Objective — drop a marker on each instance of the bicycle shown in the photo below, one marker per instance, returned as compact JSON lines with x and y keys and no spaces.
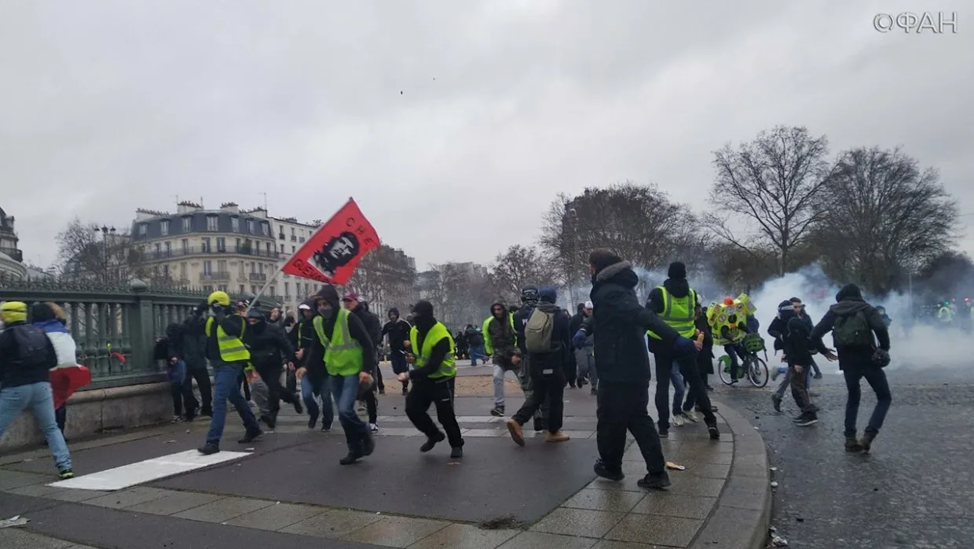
{"x":755,"y":368}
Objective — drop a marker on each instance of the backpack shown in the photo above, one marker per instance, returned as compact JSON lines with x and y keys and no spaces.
{"x":537,"y":331}
{"x":852,"y":331}
{"x":31,"y":345}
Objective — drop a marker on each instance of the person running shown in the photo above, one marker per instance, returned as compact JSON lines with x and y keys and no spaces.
{"x":432,"y":354}
{"x":500,"y":336}
{"x":355,"y":305}
{"x":229,"y":356}
{"x":779,"y":330}
{"x":348,"y":357}
{"x":799,"y":358}
{"x":51,"y":318}
{"x":853,"y":323}
{"x":26,"y":359}
{"x":269,"y":351}
{"x":548,"y":343}
{"x":618,"y":324}
{"x":194,"y":355}
{"x":529,"y":301}
{"x":396,"y":331}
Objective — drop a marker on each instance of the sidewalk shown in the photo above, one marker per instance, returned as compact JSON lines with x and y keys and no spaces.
{"x":290,"y":487}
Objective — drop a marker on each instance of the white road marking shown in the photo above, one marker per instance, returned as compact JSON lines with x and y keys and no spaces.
{"x":149,"y":470}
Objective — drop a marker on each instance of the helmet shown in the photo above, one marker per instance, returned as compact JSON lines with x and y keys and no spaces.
{"x":881,"y":358}
{"x":529,"y":294}
{"x":218,"y":298}
{"x":13,"y":311}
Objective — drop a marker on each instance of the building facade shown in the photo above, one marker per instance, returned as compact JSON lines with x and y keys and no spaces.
{"x":290,"y":235}
{"x":227,"y":249}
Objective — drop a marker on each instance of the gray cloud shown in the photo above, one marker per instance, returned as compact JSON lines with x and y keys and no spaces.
{"x":109,"y":106}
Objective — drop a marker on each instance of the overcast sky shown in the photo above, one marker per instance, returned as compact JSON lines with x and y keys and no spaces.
{"x":454,"y":124}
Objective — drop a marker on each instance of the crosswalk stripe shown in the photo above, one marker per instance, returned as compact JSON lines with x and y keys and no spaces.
{"x":149,"y":470}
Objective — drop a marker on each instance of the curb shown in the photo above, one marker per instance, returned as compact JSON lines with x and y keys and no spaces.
{"x":742,"y":514}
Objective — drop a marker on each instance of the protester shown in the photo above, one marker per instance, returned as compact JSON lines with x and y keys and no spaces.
{"x":853,"y":322}
{"x":432,"y":354}
{"x":51,"y":318}
{"x":396,"y":330}
{"x":618,"y":324}
{"x":796,"y":353}
{"x":475,"y":340}
{"x":194,"y":356}
{"x":26,"y":359}
{"x":181,"y":392}
{"x":354,"y":304}
{"x":229,"y":356}
{"x":500,"y":336}
{"x":269,"y":351}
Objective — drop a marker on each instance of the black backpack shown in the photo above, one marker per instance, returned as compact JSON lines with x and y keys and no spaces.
{"x":31,"y":345}
{"x":853,"y":330}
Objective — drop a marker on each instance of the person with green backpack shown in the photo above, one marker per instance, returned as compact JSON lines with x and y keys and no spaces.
{"x":854,"y":323}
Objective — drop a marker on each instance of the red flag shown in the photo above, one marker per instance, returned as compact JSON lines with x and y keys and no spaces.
{"x":333,"y":252}
{"x":65,"y":380}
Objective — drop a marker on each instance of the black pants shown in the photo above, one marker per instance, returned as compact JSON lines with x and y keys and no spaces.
{"x":202,"y":377}
{"x":371,"y":404}
{"x":799,"y":389}
{"x":622,"y":406}
{"x":271,"y":376}
{"x":548,"y":387}
{"x":292,"y":382}
{"x":426,"y":392}
{"x":61,"y":417}
{"x":378,"y":379}
{"x":399,"y":366}
{"x":244,"y":384}
{"x":696,"y":389}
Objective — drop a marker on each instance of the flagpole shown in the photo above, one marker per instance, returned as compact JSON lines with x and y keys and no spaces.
{"x":263,"y":289}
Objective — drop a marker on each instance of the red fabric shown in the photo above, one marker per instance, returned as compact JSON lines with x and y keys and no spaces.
{"x":334,"y":251}
{"x":65,"y":381}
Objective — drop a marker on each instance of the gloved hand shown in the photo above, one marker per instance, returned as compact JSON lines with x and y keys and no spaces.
{"x":579,"y":340}
{"x":684,"y":346}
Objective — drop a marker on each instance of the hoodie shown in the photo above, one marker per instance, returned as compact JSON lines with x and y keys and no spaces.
{"x":423,"y":322}
{"x":269,"y":345}
{"x":676,"y":287}
{"x":849,"y":301}
{"x":397,"y":331}
{"x":356,"y":330}
{"x":779,"y":326}
{"x":499,"y":334}
{"x":796,"y":343}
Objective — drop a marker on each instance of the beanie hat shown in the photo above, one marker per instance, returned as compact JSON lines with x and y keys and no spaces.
{"x":600,"y":259}
{"x":677,"y":271}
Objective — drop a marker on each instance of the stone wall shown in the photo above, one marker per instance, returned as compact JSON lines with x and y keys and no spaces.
{"x":96,"y":411}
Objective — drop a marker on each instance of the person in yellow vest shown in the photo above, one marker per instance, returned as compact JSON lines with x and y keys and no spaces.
{"x":500,"y":336}
{"x":945,"y":314}
{"x":349,"y":357}
{"x":228,"y":356}
{"x":675,"y":303}
{"x":432,"y":356}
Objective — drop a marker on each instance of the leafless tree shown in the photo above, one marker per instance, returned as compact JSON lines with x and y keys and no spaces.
{"x":87,"y":254}
{"x":386,"y":276}
{"x":520,"y":266}
{"x":460,"y":292}
{"x":888,"y":218}
{"x":776,"y":182}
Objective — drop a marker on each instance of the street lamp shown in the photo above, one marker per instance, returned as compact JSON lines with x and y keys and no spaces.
{"x":105,"y":231}
{"x":573,"y":213}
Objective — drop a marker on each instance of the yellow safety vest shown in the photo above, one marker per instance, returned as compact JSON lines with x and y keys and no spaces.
{"x":343,"y":355}
{"x":945,"y":314}
{"x":232,"y":348}
{"x":678,"y":313}
{"x":448,"y":367}
{"x":488,"y":344}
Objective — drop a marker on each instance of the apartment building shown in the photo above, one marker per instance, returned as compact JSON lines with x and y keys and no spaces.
{"x":290,"y":235}
{"x":227,"y":249}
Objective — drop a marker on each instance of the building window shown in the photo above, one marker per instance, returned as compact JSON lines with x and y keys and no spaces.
{"x":294,"y":249}
{"x":250,"y":226}
{"x":143,"y":229}
{"x":221,"y":266}
{"x":292,"y":231}
{"x":253,"y":289}
{"x":168,"y":249}
{"x":164,"y":227}
{"x":272,"y":292}
{"x":182,"y":270}
{"x":165,"y":271}
{"x":187,"y":224}
{"x":212,"y":223}
{"x":207,"y":267}
{"x":282,"y":248}
{"x":158,"y":251}
{"x":268,"y":249}
{"x":223,"y":287}
{"x":265,"y":229}
{"x":287,"y":290}
{"x":301,"y":239}
{"x":206,"y":248}
{"x":185,"y":246}
{"x":242,"y":290}
{"x":253,"y":267}
{"x":221,"y":244}
{"x":235,"y":224}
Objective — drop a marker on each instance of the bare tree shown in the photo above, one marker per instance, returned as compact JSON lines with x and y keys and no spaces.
{"x":87,"y":254}
{"x":888,"y":218}
{"x":386,"y":276}
{"x":520,"y":266}
{"x":776,"y":181}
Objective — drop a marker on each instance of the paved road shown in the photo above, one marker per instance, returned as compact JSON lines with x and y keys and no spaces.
{"x":914,"y":490}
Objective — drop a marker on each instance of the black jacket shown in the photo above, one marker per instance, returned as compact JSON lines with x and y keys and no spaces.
{"x":269,"y":346}
{"x":677,"y":287}
{"x":16,"y":371}
{"x":437,"y":355}
{"x":194,"y":341}
{"x":850,"y":301}
{"x":795,"y":343}
{"x":619,"y":324}
{"x":561,"y":343}
{"x":232,"y":324}
{"x":372,"y":325}
{"x":398,"y":332}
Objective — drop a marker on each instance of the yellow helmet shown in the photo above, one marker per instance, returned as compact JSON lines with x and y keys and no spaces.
{"x":13,"y":311}
{"x":220,"y":298}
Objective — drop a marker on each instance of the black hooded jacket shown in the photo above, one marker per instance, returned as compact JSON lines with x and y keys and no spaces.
{"x":678,"y":288}
{"x":269,"y":346}
{"x":795,"y":343}
{"x":850,"y":301}
{"x":356,"y":330}
{"x":619,"y":324}
{"x":779,"y":326}
{"x":397,"y":330}
{"x":371,"y":323}
{"x":34,"y":367}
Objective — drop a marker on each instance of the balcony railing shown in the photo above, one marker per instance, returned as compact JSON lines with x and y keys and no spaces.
{"x":163,"y":255}
{"x":258,"y":277}
{"x":14,"y":253}
{"x":215,"y":277}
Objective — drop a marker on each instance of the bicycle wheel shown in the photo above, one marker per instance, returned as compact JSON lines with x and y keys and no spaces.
{"x":723,"y":369}
{"x":757,"y":372}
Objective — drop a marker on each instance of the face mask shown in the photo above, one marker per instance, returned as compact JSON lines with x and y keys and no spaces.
{"x":326,"y":312}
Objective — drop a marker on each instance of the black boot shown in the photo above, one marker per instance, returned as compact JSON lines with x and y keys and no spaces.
{"x":604,"y":472}
{"x":368,"y":445}
{"x":250,"y":436}
{"x":658,"y":481}
{"x":209,"y":449}
{"x":351,"y":458}
{"x":431,"y":442}
{"x":456,"y":452}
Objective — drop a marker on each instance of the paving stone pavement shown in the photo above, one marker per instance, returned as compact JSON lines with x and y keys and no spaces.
{"x":721,"y":501}
{"x":913,"y":490}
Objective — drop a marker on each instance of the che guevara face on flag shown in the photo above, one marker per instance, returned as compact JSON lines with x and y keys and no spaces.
{"x":334,"y":251}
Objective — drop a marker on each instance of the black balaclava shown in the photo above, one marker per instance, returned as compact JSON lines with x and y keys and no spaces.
{"x":423,"y":315}
{"x":327,"y":302}
{"x":40,"y":312}
{"x":261,"y":321}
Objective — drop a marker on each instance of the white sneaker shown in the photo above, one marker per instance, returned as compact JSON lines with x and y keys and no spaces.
{"x":373,"y":427}
{"x":690,"y":415}
{"x":678,"y":421}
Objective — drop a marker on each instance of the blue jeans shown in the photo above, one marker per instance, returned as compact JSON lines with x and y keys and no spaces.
{"x":735,"y":351}
{"x":226,"y":387}
{"x":876,"y":378}
{"x":323,"y":388}
{"x":477,"y":352}
{"x":40,"y":400}
{"x":679,"y":389}
{"x":345,"y":391}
